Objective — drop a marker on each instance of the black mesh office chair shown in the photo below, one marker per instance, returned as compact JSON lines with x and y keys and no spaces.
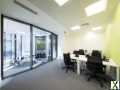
{"x":95,"y":69}
{"x":81,"y":52}
{"x":69,"y":65}
{"x":96,"y":53}
{"x":75,"y":52}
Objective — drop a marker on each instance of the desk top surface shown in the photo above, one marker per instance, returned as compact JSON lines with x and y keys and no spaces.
{"x":84,"y":58}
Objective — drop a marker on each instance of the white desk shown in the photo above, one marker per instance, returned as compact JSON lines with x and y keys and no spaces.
{"x":83,"y":58}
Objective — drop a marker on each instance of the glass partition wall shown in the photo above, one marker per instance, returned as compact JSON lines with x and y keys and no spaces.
{"x":16,"y":42}
{"x":25,"y":46}
{"x":41,"y":46}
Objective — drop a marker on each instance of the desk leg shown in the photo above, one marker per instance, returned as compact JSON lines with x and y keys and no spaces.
{"x":107,"y":69}
{"x":117,"y":73}
{"x":78,"y":67}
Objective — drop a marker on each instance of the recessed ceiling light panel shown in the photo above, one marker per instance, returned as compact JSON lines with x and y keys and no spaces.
{"x":96,"y":28}
{"x":96,"y":7}
{"x":61,"y":2}
{"x":74,"y":28}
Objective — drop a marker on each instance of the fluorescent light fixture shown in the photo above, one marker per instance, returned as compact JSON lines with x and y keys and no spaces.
{"x":96,"y":28}
{"x":90,"y":35}
{"x":96,"y":7}
{"x":61,"y":2}
{"x":76,"y":27}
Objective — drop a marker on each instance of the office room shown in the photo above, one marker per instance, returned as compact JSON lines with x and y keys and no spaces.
{"x":59,"y":44}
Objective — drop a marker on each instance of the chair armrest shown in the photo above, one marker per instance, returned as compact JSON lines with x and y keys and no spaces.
{"x":104,"y":68}
{"x":73,"y":60}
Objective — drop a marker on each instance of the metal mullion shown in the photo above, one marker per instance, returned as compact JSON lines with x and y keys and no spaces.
{"x":31,"y":46}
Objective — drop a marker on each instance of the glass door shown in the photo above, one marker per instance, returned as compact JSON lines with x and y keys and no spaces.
{"x":41,"y":46}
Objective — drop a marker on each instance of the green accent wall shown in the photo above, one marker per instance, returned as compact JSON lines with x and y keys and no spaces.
{"x":112,"y":40}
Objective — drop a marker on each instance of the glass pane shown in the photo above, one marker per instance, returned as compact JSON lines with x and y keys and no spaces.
{"x":16,"y":43}
{"x":8,"y":51}
{"x":41,"y":47}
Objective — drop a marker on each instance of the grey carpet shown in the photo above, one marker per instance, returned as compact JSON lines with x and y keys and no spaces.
{"x":49,"y":77}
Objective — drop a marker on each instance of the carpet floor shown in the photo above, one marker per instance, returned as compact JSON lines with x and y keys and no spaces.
{"x":50,"y":76}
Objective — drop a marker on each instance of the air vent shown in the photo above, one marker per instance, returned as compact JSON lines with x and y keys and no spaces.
{"x":85,"y":24}
{"x":25,"y":7}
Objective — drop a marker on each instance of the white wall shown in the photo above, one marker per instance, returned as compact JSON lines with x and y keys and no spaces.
{"x":60,"y":44}
{"x":88,"y":40}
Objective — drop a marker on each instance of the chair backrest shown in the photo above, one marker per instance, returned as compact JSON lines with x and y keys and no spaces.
{"x":96,"y":53}
{"x":76,"y":53}
{"x":37,"y":56}
{"x":81,"y":52}
{"x":94,"y":64}
{"x":67,"y":59}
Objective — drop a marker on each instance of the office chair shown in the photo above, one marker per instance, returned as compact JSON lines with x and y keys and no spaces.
{"x":68,"y":64}
{"x":81,"y":52}
{"x":95,"y":69}
{"x":37,"y":56}
{"x":96,"y":53}
{"x":76,"y":53}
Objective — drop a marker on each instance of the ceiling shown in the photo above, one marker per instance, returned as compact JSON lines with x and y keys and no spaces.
{"x":73,"y":13}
